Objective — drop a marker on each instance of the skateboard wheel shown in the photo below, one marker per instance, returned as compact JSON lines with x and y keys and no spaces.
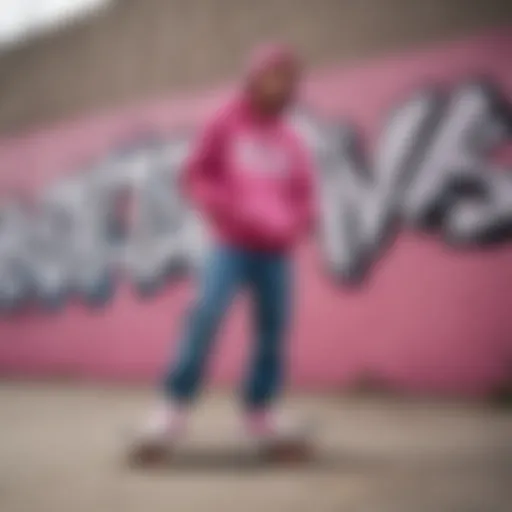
{"x":148,"y":454}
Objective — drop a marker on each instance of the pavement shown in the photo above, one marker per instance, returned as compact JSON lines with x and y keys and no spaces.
{"x":62,"y":449}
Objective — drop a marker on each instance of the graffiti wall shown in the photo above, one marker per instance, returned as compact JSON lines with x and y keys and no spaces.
{"x":405,"y":279}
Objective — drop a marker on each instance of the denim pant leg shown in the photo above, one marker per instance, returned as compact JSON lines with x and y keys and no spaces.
{"x":270,"y":285}
{"x":220,"y":280}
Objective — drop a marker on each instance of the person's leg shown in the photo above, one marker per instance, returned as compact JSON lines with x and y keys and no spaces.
{"x":277,"y":437}
{"x":220,"y":280}
{"x":270,"y":282}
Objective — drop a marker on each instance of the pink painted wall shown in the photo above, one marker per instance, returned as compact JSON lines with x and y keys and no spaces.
{"x":444,"y":329}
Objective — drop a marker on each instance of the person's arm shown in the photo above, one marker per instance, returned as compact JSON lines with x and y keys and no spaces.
{"x":202,"y":179}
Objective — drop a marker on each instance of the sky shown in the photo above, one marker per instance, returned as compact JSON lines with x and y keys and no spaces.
{"x":20,"y":19}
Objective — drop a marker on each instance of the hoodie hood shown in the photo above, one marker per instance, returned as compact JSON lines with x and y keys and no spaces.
{"x":263,"y":58}
{"x":267,"y":56}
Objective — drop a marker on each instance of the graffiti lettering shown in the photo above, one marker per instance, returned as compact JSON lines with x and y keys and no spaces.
{"x":432,"y":169}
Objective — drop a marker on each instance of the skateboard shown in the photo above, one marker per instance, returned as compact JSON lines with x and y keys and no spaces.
{"x":290,"y":448}
{"x":158,"y":453}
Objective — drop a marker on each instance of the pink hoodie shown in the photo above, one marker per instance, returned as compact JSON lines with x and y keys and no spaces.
{"x":249,"y":175}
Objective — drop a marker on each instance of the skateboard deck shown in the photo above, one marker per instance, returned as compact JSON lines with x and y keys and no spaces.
{"x":246,"y":452}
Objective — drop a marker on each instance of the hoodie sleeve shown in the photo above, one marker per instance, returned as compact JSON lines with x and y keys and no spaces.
{"x":203,"y":181}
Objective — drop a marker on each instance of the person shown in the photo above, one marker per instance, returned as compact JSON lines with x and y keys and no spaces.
{"x":250,"y":176}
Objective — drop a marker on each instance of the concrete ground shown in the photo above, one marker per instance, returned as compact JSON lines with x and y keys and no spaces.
{"x":61,"y":450}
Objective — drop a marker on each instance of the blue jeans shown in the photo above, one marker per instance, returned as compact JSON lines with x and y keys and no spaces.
{"x":267,"y":277}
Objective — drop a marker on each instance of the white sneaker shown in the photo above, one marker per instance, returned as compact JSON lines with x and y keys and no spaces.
{"x":279,"y":438}
{"x":157,"y":438}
